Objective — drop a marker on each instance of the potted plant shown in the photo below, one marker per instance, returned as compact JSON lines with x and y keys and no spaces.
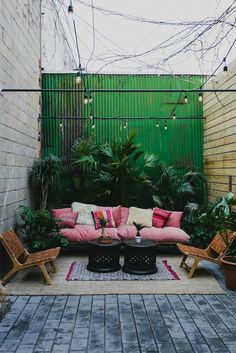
{"x":223,"y":216}
{"x":104,"y":238}
{"x":138,"y":227}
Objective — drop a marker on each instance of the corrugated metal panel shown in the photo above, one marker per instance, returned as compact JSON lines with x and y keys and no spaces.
{"x":180,"y":145}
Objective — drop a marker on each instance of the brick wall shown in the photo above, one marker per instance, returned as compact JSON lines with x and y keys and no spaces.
{"x":19,"y":67}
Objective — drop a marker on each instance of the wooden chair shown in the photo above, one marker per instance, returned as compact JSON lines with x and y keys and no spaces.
{"x":21,"y":259}
{"x":215,"y":250}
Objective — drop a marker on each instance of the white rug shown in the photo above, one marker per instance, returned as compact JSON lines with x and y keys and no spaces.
{"x":30,"y":282}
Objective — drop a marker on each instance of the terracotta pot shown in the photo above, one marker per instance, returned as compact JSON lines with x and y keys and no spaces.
{"x":229,"y":269}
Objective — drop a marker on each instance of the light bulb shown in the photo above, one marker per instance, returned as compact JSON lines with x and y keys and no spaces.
{"x":90,"y":99}
{"x":86,"y":100}
{"x":91,"y":117}
{"x":60,"y":124}
{"x":185,"y":99}
{"x":93,"y":125}
{"x":125,"y":124}
{"x":165,"y":127}
{"x":200,"y":97}
{"x":157,"y":124}
{"x":225,"y":70}
{"x":78,"y":78}
{"x":174,"y":116}
{"x":70,"y":9}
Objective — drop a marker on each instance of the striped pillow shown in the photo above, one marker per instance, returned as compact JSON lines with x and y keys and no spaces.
{"x":103,"y":214}
{"x":160,"y":217}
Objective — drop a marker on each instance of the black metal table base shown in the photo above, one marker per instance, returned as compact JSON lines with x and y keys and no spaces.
{"x":104,"y":257}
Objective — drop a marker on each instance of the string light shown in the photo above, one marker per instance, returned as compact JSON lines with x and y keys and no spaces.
{"x":78,"y":78}
{"x":93,"y":125}
{"x":174,"y":116}
{"x":125,"y":124}
{"x":91,"y":117}
{"x":165,"y":127}
{"x":225,"y":68}
{"x":70,"y":8}
{"x":157,"y":124}
{"x":200,"y":97}
{"x":90,"y":99}
{"x":185,"y":99}
{"x":60,"y":124}
{"x":86,"y":100}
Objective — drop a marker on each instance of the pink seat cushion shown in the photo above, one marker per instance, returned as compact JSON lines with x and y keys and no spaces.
{"x":162,"y":235}
{"x":174,"y":219}
{"x":84,"y":233}
{"x":124,"y":215}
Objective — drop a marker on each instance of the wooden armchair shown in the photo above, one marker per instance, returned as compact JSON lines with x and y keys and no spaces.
{"x":215,"y":250}
{"x":21,"y":259}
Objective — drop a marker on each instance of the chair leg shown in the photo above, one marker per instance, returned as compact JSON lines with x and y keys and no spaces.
{"x":45,"y":274}
{"x":183,"y":260}
{"x":193,"y":268}
{"x":53,"y":267}
{"x":8,"y":274}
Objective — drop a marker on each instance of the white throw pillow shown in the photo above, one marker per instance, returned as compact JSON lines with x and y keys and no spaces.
{"x":84,"y":212}
{"x":140,"y":215}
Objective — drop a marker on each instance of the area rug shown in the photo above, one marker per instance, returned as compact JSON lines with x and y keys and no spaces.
{"x":30,"y":282}
{"x":78,"y":272}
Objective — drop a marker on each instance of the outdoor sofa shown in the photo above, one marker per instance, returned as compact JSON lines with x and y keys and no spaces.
{"x":78,"y":226}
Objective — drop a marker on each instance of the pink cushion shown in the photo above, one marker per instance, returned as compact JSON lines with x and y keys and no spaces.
{"x":124,"y":215}
{"x":67,"y":220}
{"x":162,"y":235}
{"x":57,"y":212}
{"x":116,"y":212}
{"x":84,"y":233}
{"x":174,"y":219}
{"x":103,"y":215}
{"x":160,"y":217}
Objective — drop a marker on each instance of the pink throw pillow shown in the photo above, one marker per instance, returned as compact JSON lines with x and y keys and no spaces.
{"x":174,"y":219}
{"x":160,"y":217}
{"x":116,"y":212}
{"x":58,"y":211}
{"x":124,"y":215}
{"x":67,"y":220}
{"x":103,"y":214}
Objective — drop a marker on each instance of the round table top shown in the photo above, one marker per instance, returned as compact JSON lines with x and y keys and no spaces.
{"x":96,"y":243}
{"x":144,"y":243}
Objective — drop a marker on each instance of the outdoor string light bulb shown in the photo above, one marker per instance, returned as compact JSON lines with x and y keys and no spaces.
{"x":157,"y":124}
{"x":70,"y":8}
{"x":225,"y":68}
{"x":91,"y":117}
{"x":185,"y":99}
{"x":125,"y":124}
{"x":174,"y":116}
{"x":90,"y":99}
{"x":165,"y":127}
{"x":200,"y":97}
{"x":93,"y":125}
{"x":86,"y":100}
{"x":78,"y":78}
{"x":60,"y":124}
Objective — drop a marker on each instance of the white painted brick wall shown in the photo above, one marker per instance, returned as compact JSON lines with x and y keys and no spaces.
{"x":19,"y":67}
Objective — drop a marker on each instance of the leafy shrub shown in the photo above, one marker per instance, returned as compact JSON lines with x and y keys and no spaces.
{"x":40,"y":230}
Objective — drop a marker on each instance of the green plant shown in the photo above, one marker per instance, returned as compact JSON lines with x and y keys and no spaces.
{"x":172,"y":188}
{"x":138,"y":226}
{"x":45,"y":176}
{"x":111,"y":173}
{"x":39,"y":229}
{"x":223,"y":216}
{"x":103,"y":222}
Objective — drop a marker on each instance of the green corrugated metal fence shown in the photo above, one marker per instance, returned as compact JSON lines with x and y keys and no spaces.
{"x":180,"y":145}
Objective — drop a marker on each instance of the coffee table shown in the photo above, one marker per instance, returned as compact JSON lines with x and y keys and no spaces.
{"x":104,"y":257}
{"x":140,"y":258}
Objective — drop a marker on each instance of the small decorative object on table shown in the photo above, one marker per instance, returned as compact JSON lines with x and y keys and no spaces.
{"x":104,"y":238}
{"x":138,"y":226}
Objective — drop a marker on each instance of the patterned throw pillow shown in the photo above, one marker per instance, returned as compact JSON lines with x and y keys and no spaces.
{"x":67,"y":220}
{"x":160,"y":217}
{"x":84,"y":212}
{"x":103,"y":214}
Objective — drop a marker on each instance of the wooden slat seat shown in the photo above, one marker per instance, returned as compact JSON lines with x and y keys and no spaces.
{"x":21,"y":259}
{"x":216,"y":249}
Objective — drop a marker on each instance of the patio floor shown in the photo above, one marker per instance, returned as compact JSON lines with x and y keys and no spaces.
{"x":122,"y":323}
